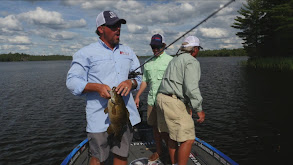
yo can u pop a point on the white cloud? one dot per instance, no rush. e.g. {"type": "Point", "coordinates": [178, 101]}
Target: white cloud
{"type": "Point", "coordinates": [40, 16]}
{"type": "Point", "coordinates": [130, 5]}
{"type": "Point", "coordinates": [64, 35]}
{"type": "Point", "coordinates": [51, 19]}
{"type": "Point", "coordinates": [96, 4]}
{"type": "Point", "coordinates": [19, 40]}
{"type": "Point", "coordinates": [14, 48]}
{"type": "Point", "coordinates": [213, 32]}
{"type": "Point", "coordinates": [132, 28]}
{"type": "Point", "coordinates": [9, 24]}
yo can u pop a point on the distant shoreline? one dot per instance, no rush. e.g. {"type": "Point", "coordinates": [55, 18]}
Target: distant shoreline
{"type": "Point", "coordinates": [10, 57]}
{"type": "Point", "coordinates": [14, 57]}
{"type": "Point", "coordinates": [269, 63]}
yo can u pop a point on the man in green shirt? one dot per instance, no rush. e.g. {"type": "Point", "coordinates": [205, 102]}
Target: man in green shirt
{"type": "Point", "coordinates": [178, 93]}
{"type": "Point", "coordinates": [152, 75]}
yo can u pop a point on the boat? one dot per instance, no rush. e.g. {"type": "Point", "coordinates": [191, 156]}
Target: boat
{"type": "Point", "coordinates": [201, 153]}
{"type": "Point", "coordinates": [143, 145]}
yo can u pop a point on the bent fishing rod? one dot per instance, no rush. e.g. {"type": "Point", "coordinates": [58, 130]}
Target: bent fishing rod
{"type": "Point", "coordinates": [133, 74]}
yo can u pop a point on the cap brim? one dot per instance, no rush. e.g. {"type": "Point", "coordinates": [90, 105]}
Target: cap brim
{"type": "Point", "coordinates": [156, 43]}
{"type": "Point", "coordinates": [122, 21]}
{"type": "Point", "coordinates": [192, 44]}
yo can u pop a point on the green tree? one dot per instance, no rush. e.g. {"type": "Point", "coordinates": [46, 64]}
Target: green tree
{"type": "Point", "coordinates": [266, 27]}
{"type": "Point", "coordinates": [250, 24]}
{"type": "Point", "coordinates": [282, 16]}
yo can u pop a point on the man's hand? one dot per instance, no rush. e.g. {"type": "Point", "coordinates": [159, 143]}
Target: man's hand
{"type": "Point", "coordinates": [201, 116]}
{"type": "Point", "coordinates": [124, 87]}
{"type": "Point", "coordinates": [136, 100]}
{"type": "Point", "coordinates": [102, 89]}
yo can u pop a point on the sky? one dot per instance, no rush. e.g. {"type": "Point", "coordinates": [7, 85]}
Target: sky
{"type": "Point", "coordinates": [62, 27]}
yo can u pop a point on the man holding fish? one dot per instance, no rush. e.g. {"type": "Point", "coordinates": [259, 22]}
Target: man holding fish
{"type": "Point", "coordinates": [100, 72]}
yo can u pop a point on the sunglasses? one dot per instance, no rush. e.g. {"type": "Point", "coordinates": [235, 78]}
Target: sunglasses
{"type": "Point", "coordinates": [114, 27]}
{"type": "Point", "coordinates": [157, 47]}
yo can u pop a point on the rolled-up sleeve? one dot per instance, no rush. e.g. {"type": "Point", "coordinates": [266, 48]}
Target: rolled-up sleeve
{"type": "Point", "coordinates": [77, 74]}
{"type": "Point", "coordinates": [191, 85]}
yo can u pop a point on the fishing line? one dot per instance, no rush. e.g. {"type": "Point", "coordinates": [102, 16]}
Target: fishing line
{"type": "Point", "coordinates": [133, 74]}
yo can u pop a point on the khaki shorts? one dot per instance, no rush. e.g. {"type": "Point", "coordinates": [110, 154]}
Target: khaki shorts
{"type": "Point", "coordinates": [155, 118]}
{"type": "Point", "coordinates": [100, 144]}
{"type": "Point", "coordinates": [178, 119]}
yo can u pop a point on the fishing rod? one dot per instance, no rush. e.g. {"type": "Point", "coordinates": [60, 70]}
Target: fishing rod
{"type": "Point", "coordinates": [134, 74]}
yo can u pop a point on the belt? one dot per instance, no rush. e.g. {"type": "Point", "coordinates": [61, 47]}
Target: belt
{"type": "Point", "coordinates": [171, 95]}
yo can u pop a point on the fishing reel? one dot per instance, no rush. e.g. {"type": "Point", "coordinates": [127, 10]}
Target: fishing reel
{"type": "Point", "coordinates": [133, 74]}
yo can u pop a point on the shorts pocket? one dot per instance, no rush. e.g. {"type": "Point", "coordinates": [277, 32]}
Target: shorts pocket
{"type": "Point", "coordinates": [169, 110]}
{"type": "Point", "coordinates": [180, 106]}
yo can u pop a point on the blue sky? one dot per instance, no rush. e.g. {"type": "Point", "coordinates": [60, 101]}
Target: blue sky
{"type": "Point", "coordinates": [48, 27]}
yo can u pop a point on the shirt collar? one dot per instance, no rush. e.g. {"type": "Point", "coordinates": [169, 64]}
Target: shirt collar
{"type": "Point", "coordinates": [105, 46]}
{"type": "Point", "coordinates": [160, 56]}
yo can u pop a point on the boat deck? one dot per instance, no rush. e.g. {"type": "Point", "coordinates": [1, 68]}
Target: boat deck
{"type": "Point", "coordinates": [143, 146]}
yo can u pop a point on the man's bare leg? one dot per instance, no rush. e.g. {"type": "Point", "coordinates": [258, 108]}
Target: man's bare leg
{"type": "Point", "coordinates": [95, 161]}
{"type": "Point", "coordinates": [165, 137]}
{"type": "Point", "coordinates": [118, 160]}
{"type": "Point", "coordinates": [173, 146]}
{"type": "Point", "coordinates": [158, 140]}
{"type": "Point", "coordinates": [184, 151]}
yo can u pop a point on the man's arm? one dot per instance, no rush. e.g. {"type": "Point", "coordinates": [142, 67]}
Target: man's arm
{"type": "Point", "coordinates": [140, 91]}
{"type": "Point", "coordinates": [201, 116]}
{"type": "Point", "coordinates": [191, 85]}
{"type": "Point", "coordinates": [77, 75]}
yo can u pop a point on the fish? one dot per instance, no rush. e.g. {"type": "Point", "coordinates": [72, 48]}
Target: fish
{"type": "Point", "coordinates": [118, 115]}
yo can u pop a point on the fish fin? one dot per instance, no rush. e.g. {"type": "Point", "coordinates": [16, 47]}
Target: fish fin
{"type": "Point", "coordinates": [110, 130]}
{"type": "Point", "coordinates": [106, 110]}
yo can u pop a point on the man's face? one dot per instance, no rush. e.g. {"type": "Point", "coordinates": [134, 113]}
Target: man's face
{"type": "Point", "coordinates": [158, 48]}
{"type": "Point", "coordinates": [195, 51]}
{"type": "Point", "coordinates": [111, 34]}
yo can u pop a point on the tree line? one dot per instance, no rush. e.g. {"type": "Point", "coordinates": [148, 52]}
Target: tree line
{"type": "Point", "coordinates": [217, 53]}
{"type": "Point", "coordinates": [25, 57]}
{"type": "Point", "coordinates": [266, 28]}
{"type": "Point", "coordinates": [223, 53]}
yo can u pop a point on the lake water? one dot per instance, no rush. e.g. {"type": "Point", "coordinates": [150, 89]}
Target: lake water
{"type": "Point", "coordinates": [41, 121]}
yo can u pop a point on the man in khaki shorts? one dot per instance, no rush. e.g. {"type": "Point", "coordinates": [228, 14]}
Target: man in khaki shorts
{"type": "Point", "coordinates": [178, 93]}
{"type": "Point", "coordinates": [152, 76]}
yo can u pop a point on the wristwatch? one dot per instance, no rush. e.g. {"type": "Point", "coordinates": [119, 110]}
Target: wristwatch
{"type": "Point", "coordinates": [133, 83]}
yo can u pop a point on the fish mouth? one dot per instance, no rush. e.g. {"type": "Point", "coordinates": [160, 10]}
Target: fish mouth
{"type": "Point", "coordinates": [112, 94]}
{"type": "Point", "coordinates": [112, 100]}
